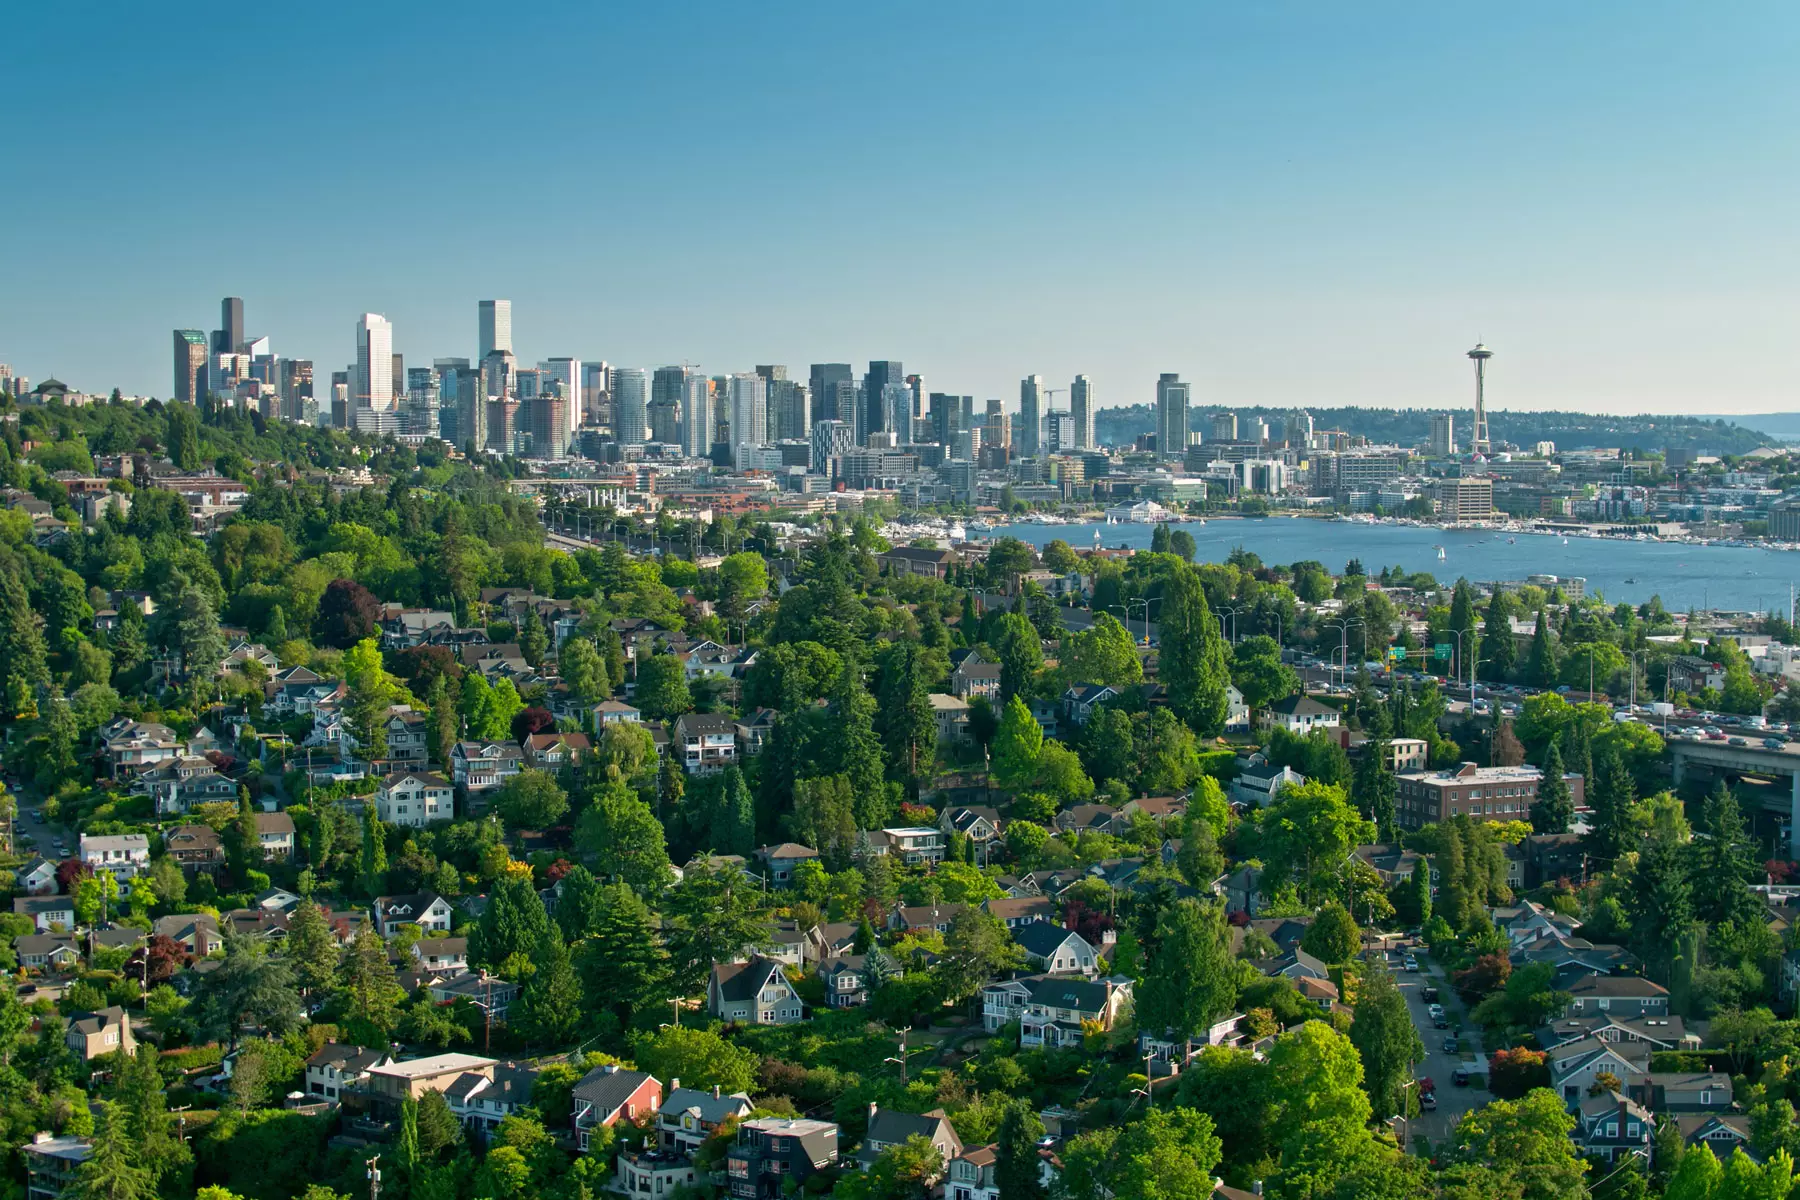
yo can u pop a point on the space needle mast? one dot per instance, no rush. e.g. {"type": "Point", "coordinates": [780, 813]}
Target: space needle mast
{"type": "Point", "coordinates": [1479, 443]}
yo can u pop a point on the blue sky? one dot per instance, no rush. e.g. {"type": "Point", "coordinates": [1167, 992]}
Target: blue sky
{"type": "Point", "coordinates": [1299, 203]}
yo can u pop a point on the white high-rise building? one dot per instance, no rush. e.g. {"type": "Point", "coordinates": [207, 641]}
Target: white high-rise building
{"type": "Point", "coordinates": [1031, 414]}
{"type": "Point", "coordinates": [1171, 416]}
{"type": "Point", "coordinates": [1081, 406]}
{"type": "Point", "coordinates": [496, 326]}
{"type": "Point", "coordinates": [1443, 434]}
{"type": "Point", "coordinates": [696, 416]}
{"type": "Point", "coordinates": [373, 384]}
{"type": "Point", "coordinates": [631, 405]}
{"type": "Point", "coordinates": [749, 415]}
{"type": "Point", "coordinates": [568, 370]}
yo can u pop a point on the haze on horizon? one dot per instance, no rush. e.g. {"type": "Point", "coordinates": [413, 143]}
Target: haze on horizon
{"type": "Point", "coordinates": [1294, 204]}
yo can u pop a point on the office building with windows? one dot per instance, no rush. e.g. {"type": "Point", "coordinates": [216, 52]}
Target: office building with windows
{"type": "Point", "coordinates": [631, 403]}
{"type": "Point", "coordinates": [373, 385]}
{"type": "Point", "coordinates": [495, 318]}
{"type": "Point", "coordinates": [1171, 415]}
{"type": "Point", "coordinates": [1081, 409]}
{"type": "Point", "coordinates": [190, 365]}
{"type": "Point", "coordinates": [749, 398]}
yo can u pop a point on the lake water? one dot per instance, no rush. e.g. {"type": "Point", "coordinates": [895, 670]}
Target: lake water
{"type": "Point", "coordinates": [1730, 577]}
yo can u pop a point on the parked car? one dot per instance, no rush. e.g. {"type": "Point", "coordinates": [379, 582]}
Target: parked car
{"type": "Point", "coordinates": [1428, 1101]}
{"type": "Point", "coordinates": [1459, 1078]}
{"type": "Point", "coordinates": [1428, 994]}
{"type": "Point", "coordinates": [1452, 1044]}
{"type": "Point", "coordinates": [1412, 965]}
{"type": "Point", "coordinates": [1440, 1021]}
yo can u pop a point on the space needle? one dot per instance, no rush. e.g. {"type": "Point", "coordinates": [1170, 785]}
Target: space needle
{"type": "Point", "coordinates": [1479, 444]}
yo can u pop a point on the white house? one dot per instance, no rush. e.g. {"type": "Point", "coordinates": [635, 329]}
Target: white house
{"type": "Point", "coordinates": [428, 910]}
{"type": "Point", "coordinates": [121, 855]}
{"type": "Point", "coordinates": [414, 798]}
{"type": "Point", "coordinates": [1300, 714]}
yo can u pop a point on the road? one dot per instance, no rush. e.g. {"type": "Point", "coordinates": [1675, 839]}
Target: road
{"type": "Point", "coordinates": [1452, 1100]}
{"type": "Point", "coordinates": [26, 826]}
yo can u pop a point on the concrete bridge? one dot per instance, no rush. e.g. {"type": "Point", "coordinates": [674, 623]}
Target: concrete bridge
{"type": "Point", "coordinates": [1744, 760]}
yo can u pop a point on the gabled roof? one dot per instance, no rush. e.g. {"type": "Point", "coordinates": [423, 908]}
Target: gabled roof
{"type": "Point", "coordinates": [738, 983]}
{"type": "Point", "coordinates": [709, 1108]}
{"type": "Point", "coordinates": [1079, 994]}
{"type": "Point", "coordinates": [1301, 705]}
{"type": "Point", "coordinates": [1042, 938]}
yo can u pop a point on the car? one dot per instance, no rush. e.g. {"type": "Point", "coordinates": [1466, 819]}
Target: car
{"type": "Point", "coordinates": [1714, 735]}
{"type": "Point", "coordinates": [1773, 743]}
{"type": "Point", "coordinates": [1737, 741]}
{"type": "Point", "coordinates": [1440, 1021]}
{"type": "Point", "coordinates": [1429, 994]}
{"type": "Point", "coordinates": [1451, 1044]}
{"type": "Point", "coordinates": [1412, 965]}
{"type": "Point", "coordinates": [1428, 1101]}
{"type": "Point", "coordinates": [1459, 1078]}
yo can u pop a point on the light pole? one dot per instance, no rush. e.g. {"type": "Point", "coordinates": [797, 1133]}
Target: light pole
{"type": "Point", "coordinates": [1234, 610]}
{"type": "Point", "coordinates": [1343, 628]}
{"type": "Point", "coordinates": [1632, 658]}
{"type": "Point", "coordinates": [1473, 654]}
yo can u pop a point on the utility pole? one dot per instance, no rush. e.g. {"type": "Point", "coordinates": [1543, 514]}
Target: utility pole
{"type": "Point", "coordinates": [901, 1059]}
{"type": "Point", "coordinates": [374, 1167]}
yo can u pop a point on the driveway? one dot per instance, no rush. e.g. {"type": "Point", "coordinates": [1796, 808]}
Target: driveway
{"type": "Point", "coordinates": [1453, 1101]}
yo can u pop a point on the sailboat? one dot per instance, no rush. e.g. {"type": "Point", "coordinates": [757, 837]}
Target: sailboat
{"type": "Point", "coordinates": [1440, 551]}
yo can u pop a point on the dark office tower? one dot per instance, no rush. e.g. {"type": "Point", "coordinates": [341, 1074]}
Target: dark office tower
{"type": "Point", "coordinates": [190, 365]}
{"type": "Point", "coordinates": [949, 417]}
{"type": "Point", "coordinates": [230, 335]}
{"type": "Point", "coordinates": [790, 417]}
{"type": "Point", "coordinates": [916, 384]}
{"type": "Point", "coordinates": [668, 385]}
{"type": "Point", "coordinates": [849, 403]}
{"type": "Point", "coordinates": [877, 402]}
{"type": "Point", "coordinates": [296, 388]}
{"type": "Point", "coordinates": [771, 375]}
{"type": "Point", "coordinates": [823, 385]}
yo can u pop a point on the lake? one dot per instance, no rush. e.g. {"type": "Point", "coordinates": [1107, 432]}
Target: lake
{"type": "Point", "coordinates": [1730, 577]}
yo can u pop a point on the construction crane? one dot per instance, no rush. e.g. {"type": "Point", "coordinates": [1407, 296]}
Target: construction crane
{"type": "Point", "coordinates": [1050, 397]}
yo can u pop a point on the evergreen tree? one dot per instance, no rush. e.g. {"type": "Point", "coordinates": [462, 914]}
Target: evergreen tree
{"type": "Point", "coordinates": [1021, 652]}
{"type": "Point", "coordinates": [114, 1169]}
{"type": "Point", "coordinates": [1454, 903]}
{"type": "Point", "coordinates": [406, 1142]}
{"type": "Point", "coordinates": [194, 636]}
{"type": "Point", "coordinates": [1159, 539]}
{"type": "Point", "coordinates": [373, 864]}
{"type": "Point", "coordinates": [1190, 978]}
{"type": "Point", "coordinates": [579, 903]}
{"type": "Point", "coordinates": [1375, 790]}
{"type": "Point", "coordinates": [908, 724]}
{"type": "Point", "coordinates": [1614, 792]}
{"type": "Point", "coordinates": [1578, 754]}
{"type": "Point", "coordinates": [713, 915]}
{"type": "Point", "coordinates": [243, 840]}
{"type": "Point", "coordinates": [623, 965]}
{"type": "Point", "coordinates": [1016, 1165]}
{"type": "Point", "coordinates": [549, 1006]}
{"type": "Point", "coordinates": [444, 726]}
{"type": "Point", "coordinates": [1462, 620]}
{"type": "Point", "coordinates": [1724, 862]}
{"type": "Point", "coordinates": [734, 819]}
{"type": "Point", "coordinates": [1554, 808]}
{"type": "Point", "coordinates": [1660, 904]}
{"type": "Point", "coordinates": [514, 922]}
{"type": "Point", "coordinates": [1387, 1040]}
{"type": "Point", "coordinates": [310, 948]}
{"type": "Point", "coordinates": [1498, 650]}
{"type": "Point", "coordinates": [612, 649]}
{"type": "Point", "coordinates": [865, 936]}
{"type": "Point", "coordinates": [852, 714]}
{"type": "Point", "coordinates": [143, 1107]}
{"type": "Point", "coordinates": [1541, 665]}
{"type": "Point", "coordinates": [372, 997]}
{"type": "Point", "coordinates": [1193, 663]}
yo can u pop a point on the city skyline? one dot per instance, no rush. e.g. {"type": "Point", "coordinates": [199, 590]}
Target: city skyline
{"type": "Point", "coordinates": [1289, 207]}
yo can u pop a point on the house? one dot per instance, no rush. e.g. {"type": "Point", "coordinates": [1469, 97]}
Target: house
{"type": "Point", "coordinates": [133, 745]}
{"type": "Point", "coordinates": [916, 844]}
{"type": "Point", "coordinates": [414, 799]}
{"type": "Point", "coordinates": [1157, 808]}
{"type": "Point", "coordinates": [787, 944]}
{"type": "Point", "coordinates": [1321, 992]}
{"type": "Point", "coordinates": [648, 1172]}
{"type": "Point", "coordinates": [91, 1034]}
{"type": "Point", "coordinates": [1610, 1127]}
{"type": "Point", "coordinates": [490, 993]}
{"type": "Point", "coordinates": [779, 861]}
{"type": "Point", "coordinates": [977, 822]}
{"type": "Point", "coordinates": [609, 1094]}
{"type": "Point", "coordinates": [441, 954]}
{"type": "Point", "coordinates": [1296, 964]}
{"type": "Point", "coordinates": [915, 560]}
{"type": "Point", "coordinates": [1722, 1133]}
{"type": "Point", "coordinates": [407, 739]}
{"type": "Point", "coordinates": [1080, 700]}
{"type": "Point", "coordinates": [1575, 1065]}
{"type": "Point", "coordinates": [1058, 951]}
{"type": "Point", "coordinates": [484, 766]}
{"type": "Point", "coordinates": [1663, 1033]}
{"type": "Point", "coordinates": [705, 742]}
{"type": "Point", "coordinates": [615, 712]}
{"type": "Point", "coordinates": [196, 847]}
{"type": "Point", "coordinates": [336, 1066]}
{"type": "Point", "coordinates": [973, 678]}
{"type": "Point", "coordinates": [1618, 996]}
{"type": "Point", "coordinates": [276, 833]}
{"type": "Point", "coordinates": [51, 1164]}
{"type": "Point", "coordinates": [923, 918]}
{"type": "Point", "coordinates": [754, 731]}
{"type": "Point", "coordinates": [197, 933]}
{"type": "Point", "coordinates": [244, 652]}
{"type": "Point", "coordinates": [121, 855]}
{"type": "Point", "coordinates": [36, 878]}
{"type": "Point", "coordinates": [1405, 754]}
{"type": "Point", "coordinates": [428, 910]}
{"type": "Point", "coordinates": [1300, 714]}
{"type": "Point", "coordinates": [753, 993]}
{"type": "Point", "coordinates": [846, 980]}
{"type": "Point", "coordinates": [389, 1083]}
{"type": "Point", "coordinates": [1391, 863]}
{"type": "Point", "coordinates": [773, 1155]}
{"type": "Point", "coordinates": [554, 751]}
{"type": "Point", "coordinates": [116, 937]}
{"type": "Point", "coordinates": [1003, 1002]}
{"type": "Point", "coordinates": [1686, 1092]}
{"type": "Point", "coordinates": [1023, 910]}
{"type": "Point", "coordinates": [830, 939]}
{"type": "Point", "coordinates": [890, 1127]}
{"type": "Point", "coordinates": [1060, 1008]}
{"type": "Point", "coordinates": [1087, 818]}
{"type": "Point", "coordinates": [481, 1100]}
{"type": "Point", "coordinates": [1237, 713]}
{"type": "Point", "coordinates": [1242, 890]}
{"type": "Point", "coordinates": [175, 785]}
{"type": "Point", "coordinates": [952, 716]}
{"type": "Point", "coordinates": [50, 914]}
{"type": "Point", "coordinates": [688, 1116]}
{"type": "Point", "coordinates": [971, 1175]}
{"type": "Point", "coordinates": [47, 951]}
{"type": "Point", "coordinates": [1258, 783]}
{"type": "Point", "coordinates": [1552, 856]}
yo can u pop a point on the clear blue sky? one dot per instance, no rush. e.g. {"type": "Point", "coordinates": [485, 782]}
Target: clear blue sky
{"type": "Point", "coordinates": [1299, 203]}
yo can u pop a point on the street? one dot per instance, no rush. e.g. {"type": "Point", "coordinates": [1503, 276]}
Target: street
{"type": "Point", "coordinates": [1453, 1101]}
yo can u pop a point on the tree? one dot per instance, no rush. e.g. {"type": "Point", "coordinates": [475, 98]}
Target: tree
{"type": "Point", "coordinates": [1385, 1036]}
{"type": "Point", "coordinates": [583, 670]}
{"type": "Point", "coordinates": [1498, 649]}
{"type": "Point", "coordinates": [531, 800]}
{"type": "Point", "coordinates": [1554, 808]}
{"type": "Point", "coordinates": [1259, 673]}
{"type": "Point", "coordinates": [348, 613]}
{"type": "Point", "coordinates": [662, 690]}
{"type": "Point", "coordinates": [549, 1007]}
{"type": "Point", "coordinates": [1168, 756]}
{"type": "Point", "coordinates": [715, 914]}
{"type": "Point", "coordinates": [624, 840]}
{"type": "Point", "coordinates": [193, 634]}
{"type": "Point", "coordinates": [1613, 793]}
{"type": "Point", "coordinates": [1540, 663]}
{"type": "Point", "coordinates": [909, 725]}
{"type": "Point", "coordinates": [373, 864]}
{"type": "Point", "coordinates": [699, 1058]}
{"type": "Point", "coordinates": [310, 948]}
{"type": "Point", "coordinates": [143, 1108]}
{"type": "Point", "coordinates": [1103, 654]}
{"type": "Point", "coordinates": [622, 962]}
{"type": "Point", "coordinates": [1021, 654]}
{"type": "Point", "coordinates": [824, 818]}
{"type": "Point", "coordinates": [1375, 790]}
{"type": "Point", "coordinates": [513, 923]}
{"type": "Point", "coordinates": [1169, 1154]}
{"type": "Point", "coordinates": [371, 995]}
{"type": "Point", "coordinates": [115, 1168]}
{"type": "Point", "coordinates": [1525, 1141]}
{"type": "Point", "coordinates": [1016, 1169]}
{"type": "Point", "coordinates": [1199, 859]}
{"type": "Point", "coordinates": [977, 948]}
{"type": "Point", "coordinates": [1333, 936]}
{"type": "Point", "coordinates": [1190, 980]}
{"type": "Point", "coordinates": [1319, 1109]}
{"type": "Point", "coordinates": [372, 693]}
{"type": "Point", "coordinates": [1723, 862]}
{"type": "Point", "coordinates": [1660, 904]}
{"type": "Point", "coordinates": [247, 988]}
{"type": "Point", "coordinates": [1017, 746]}
{"type": "Point", "coordinates": [529, 720]}
{"type": "Point", "coordinates": [1192, 663]}
{"type": "Point", "coordinates": [1307, 834]}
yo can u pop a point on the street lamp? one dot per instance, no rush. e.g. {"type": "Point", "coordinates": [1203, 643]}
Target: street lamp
{"type": "Point", "coordinates": [1234, 610]}
{"type": "Point", "coordinates": [1343, 628]}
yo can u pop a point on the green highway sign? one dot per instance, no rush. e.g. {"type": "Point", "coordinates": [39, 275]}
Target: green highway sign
{"type": "Point", "coordinates": [1442, 649]}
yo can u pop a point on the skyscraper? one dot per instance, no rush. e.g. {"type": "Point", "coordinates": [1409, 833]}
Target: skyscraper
{"type": "Point", "coordinates": [1443, 434]}
{"type": "Point", "coordinates": [1059, 432]}
{"type": "Point", "coordinates": [420, 414]}
{"type": "Point", "coordinates": [499, 375]}
{"type": "Point", "coordinates": [297, 390]}
{"type": "Point", "coordinates": [831, 440]}
{"type": "Point", "coordinates": [631, 402]}
{"type": "Point", "coordinates": [230, 334]}
{"type": "Point", "coordinates": [496, 326]}
{"type": "Point", "coordinates": [596, 393]}
{"type": "Point", "coordinates": [1171, 415]}
{"type": "Point", "coordinates": [696, 416]}
{"type": "Point", "coordinates": [190, 365]}
{"type": "Point", "coordinates": [1224, 427]}
{"type": "Point", "coordinates": [790, 410]}
{"type": "Point", "coordinates": [996, 430]}
{"type": "Point", "coordinates": [949, 416]}
{"type": "Point", "coordinates": [749, 415]}
{"type": "Point", "coordinates": [568, 372]}
{"type": "Point", "coordinates": [823, 382]}
{"type": "Point", "coordinates": [373, 384]}
{"type": "Point", "coordinates": [1031, 414]}
{"type": "Point", "coordinates": [1081, 406]}
{"type": "Point", "coordinates": [877, 404]}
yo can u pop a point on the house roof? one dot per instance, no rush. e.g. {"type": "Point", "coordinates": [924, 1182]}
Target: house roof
{"type": "Point", "coordinates": [891, 1126]}
{"type": "Point", "coordinates": [406, 908]}
{"type": "Point", "coordinates": [787, 850]}
{"type": "Point", "coordinates": [607, 1088]}
{"type": "Point", "coordinates": [275, 822]}
{"type": "Point", "coordinates": [1079, 994]}
{"type": "Point", "coordinates": [1301, 705]}
{"type": "Point", "coordinates": [1618, 986]}
{"type": "Point", "coordinates": [709, 1108]}
{"type": "Point", "coordinates": [701, 724]}
{"type": "Point", "coordinates": [1024, 906]}
{"type": "Point", "coordinates": [1042, 938]}
{"type": "Point", "coordinates": [738, 983]}
{"type": "Point", "coordinates": [344, 1057]}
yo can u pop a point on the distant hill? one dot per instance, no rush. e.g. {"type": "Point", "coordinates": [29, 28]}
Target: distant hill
{"type": "Point", "coordinates": [1569, 430]}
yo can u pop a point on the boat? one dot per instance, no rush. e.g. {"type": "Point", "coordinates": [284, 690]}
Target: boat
{"type": "Point", "coordinates": [1511, 541]}
{"type": "Point", "coordinates": [1440, 551]}
{"type": "Point", "coordinates": [1628, 579]}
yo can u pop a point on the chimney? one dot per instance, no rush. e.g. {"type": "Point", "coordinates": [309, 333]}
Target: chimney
{"type": "Point", "coordinates": [674, 1083]}
{"type": "Point", "coordinates": [611, 1068]}
{"type": "Point", "coordinates": [715, 1091]}
{"type": "Point", "coordinates": [872, 1107]}
{"type": "Point", "coordinates": [1256, 1188]}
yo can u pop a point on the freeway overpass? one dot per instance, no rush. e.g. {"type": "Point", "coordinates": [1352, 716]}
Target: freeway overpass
{"type": "Point", "coordinates": [1743, 760]}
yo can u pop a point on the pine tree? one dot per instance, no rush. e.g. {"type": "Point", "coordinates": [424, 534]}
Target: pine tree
{"type": "Point", "coordinates": [514, 922]}
{"type": "Point", "coordinates": [114, 1169]}
{"type": "Point", "coordinates": [1498, 650]}
{"type": "Point", "coordinates": [144, 1110]}
{"type": "Point", "coordinates": [1016, 1165]}
{"type": "Point", "coordinates": [622, 963]}
{"type": "Point", "coordinates": [1387, 1041]}
{"type": "Point", "coordinates": [853, 723]}
{"type": "Point", "coordinates": [908, 724]}
{"type": "Point", "coordinates": [1192, 664]}
{"type": "Point", "coordinates": [406, 1142]}
{"type": "Point", "coordinates": [373, 864]}
{"type": "Point", "coordinates": [734, 822]}
{"type": "Point", "coordinates": [1454, 903]}
{"type": "Point", "coordinates": [1375, 790]}
{"type": "Point", "coordinates": [1541, 666]}
{"type": "Point", "coordinates": [1578, 755]}
{"type": "Point", "coordinates": [371, 994]}
{"type": "Point", "coordinates": [1159, 539]}
{"type": "Point", "coordinates": [865, 936]}
{"type": "Point", "coordinates": [311, 948]}
{"type": "Point", "coordinates": [244, 838]}
{"type": "Point", "coordinates": [578, 904]}
{"type": "Point", "coordinates": [549, 1006]}
{"type": "Point", "coordinates": [1724, 863]}
{"type": "Point", "coordinates": [1614, 792]}
{"type": "Point", "coordinates": [1554, 808]}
